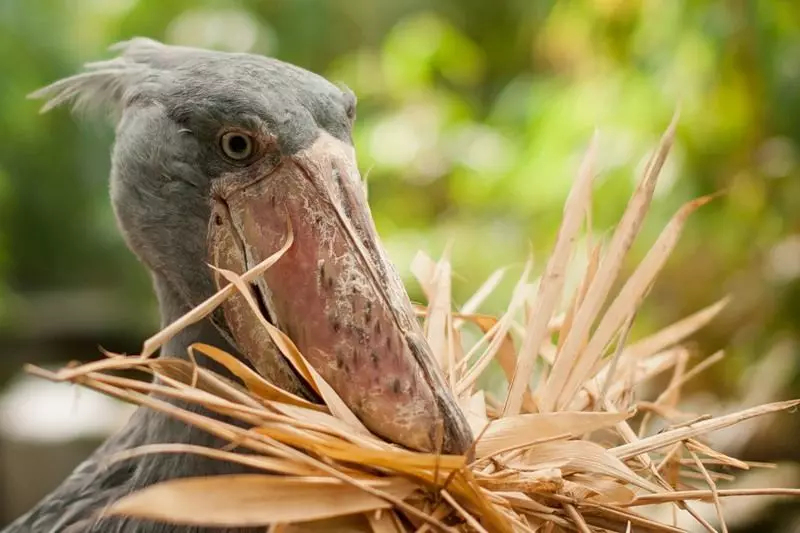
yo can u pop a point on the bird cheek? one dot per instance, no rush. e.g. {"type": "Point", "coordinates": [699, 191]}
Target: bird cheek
{"type": "Point", "coordinates": [228, 183]}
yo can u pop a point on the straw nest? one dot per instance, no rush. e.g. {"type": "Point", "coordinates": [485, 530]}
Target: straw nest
{"type": "Point", "coordinates": [558, 453]}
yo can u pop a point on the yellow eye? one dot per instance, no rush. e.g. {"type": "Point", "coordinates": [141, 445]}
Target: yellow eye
{"type": "Point", "coordinates": [236, 146]}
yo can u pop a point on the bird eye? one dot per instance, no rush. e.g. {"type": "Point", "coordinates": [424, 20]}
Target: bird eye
{"type": "Point", "coordinates": [236, 146]}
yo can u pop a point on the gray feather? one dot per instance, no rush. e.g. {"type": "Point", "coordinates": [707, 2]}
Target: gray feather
{"type": "Point", "coordinates": [105, 86]}
{"type": "Point", "coordinates": [169, 104]}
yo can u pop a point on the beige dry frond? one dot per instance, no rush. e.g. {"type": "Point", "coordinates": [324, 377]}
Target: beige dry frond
{"type": "Point", "coordinates": [557, 453]}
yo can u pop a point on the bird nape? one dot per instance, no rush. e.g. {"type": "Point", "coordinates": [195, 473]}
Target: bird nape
{"type": "Point", "coordinates": [218, 159]}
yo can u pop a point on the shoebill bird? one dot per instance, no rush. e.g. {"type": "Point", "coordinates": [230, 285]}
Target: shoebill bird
{"type": "Point", "coordinates": [216, 155]}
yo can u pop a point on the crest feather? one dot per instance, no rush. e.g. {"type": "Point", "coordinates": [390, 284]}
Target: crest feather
{"type": "Point", "coordinates": [104, 85]}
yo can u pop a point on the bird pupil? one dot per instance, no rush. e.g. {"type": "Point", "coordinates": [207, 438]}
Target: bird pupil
{"type": "Point", "coordinates": [237, 144]}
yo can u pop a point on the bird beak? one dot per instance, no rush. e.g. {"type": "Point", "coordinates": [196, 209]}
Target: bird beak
{"type": "Point", "coordinates": [335, 294]}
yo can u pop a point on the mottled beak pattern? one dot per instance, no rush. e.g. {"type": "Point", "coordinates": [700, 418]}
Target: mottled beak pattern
{"type": "Point", "coordinates": [335, 294]}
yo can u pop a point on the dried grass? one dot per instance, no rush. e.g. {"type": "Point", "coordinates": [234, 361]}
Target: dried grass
{"type": "Point", "coordinates": [558, 453]}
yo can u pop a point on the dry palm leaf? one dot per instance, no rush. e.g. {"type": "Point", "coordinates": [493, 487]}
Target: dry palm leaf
{"type": "Point", "coordinates": [557, 453]}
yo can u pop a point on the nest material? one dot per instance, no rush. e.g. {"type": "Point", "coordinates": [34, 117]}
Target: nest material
{"type": "Point", "coordinates": [557, 453]}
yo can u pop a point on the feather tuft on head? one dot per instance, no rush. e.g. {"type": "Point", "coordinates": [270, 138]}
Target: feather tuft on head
{"type": "Point", "coordinates": [105, 85]}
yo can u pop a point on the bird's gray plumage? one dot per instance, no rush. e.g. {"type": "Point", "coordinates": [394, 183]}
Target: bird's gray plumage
{"type": "Point", "coordinates": [168, 103]}
{"type": "Point", "coordinates": [334, 292]}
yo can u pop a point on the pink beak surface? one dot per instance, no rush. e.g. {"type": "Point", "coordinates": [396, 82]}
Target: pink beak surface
{"type": "Point", "coordinates": [335, 294]}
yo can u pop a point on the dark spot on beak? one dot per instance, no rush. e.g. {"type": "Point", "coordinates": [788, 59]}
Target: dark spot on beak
{"type": "Point", "coordinates": [396, 386]}
{"type": "Point", "coordinates": [345, 200]}
{"type": "Point", "coordinates": [217, 219]}
{"type": "Point", "coordinates": [336, 326]}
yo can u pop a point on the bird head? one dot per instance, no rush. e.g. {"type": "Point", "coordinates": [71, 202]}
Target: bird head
{"type": "Point", "coordinates": [216, 156]}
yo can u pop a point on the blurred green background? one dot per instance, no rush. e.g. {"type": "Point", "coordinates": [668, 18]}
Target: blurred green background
{"type": "Point", "coordinates": [472, 119]}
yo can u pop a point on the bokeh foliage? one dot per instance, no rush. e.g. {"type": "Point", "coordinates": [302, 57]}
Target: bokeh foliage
{"type": "Point", "coordinates": [472, 119]}
{"type": "Point", "coordinates": [473, 115]}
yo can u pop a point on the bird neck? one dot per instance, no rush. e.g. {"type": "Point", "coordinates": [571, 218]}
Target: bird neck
{"type": "Point", "coordinates": [173, 306]}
